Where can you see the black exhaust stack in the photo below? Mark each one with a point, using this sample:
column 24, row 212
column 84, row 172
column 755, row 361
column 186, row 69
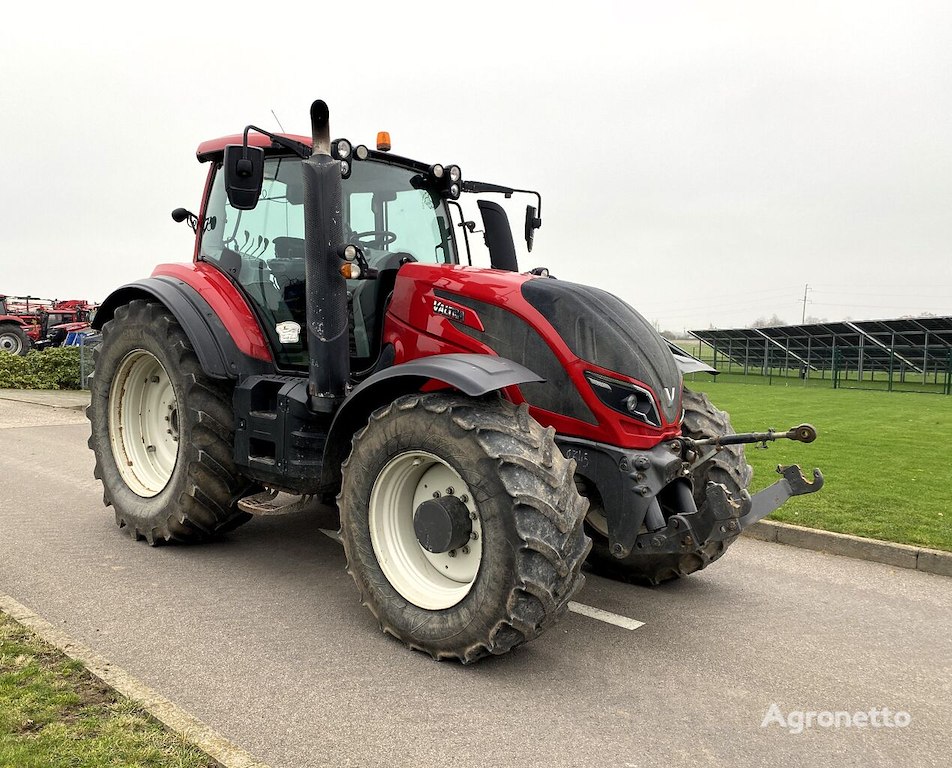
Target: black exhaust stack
column 326, row 290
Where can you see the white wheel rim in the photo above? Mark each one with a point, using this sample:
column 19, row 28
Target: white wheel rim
column 10, row 342
column 143, row 423
column 430, row 581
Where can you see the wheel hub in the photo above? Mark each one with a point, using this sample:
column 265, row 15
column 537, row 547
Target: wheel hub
column 442, row 524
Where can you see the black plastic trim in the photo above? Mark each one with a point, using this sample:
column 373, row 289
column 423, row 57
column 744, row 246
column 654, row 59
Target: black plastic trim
column 473, row 374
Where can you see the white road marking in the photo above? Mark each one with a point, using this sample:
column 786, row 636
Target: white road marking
column 609, row 618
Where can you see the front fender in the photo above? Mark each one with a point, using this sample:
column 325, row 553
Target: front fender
column 475, row 375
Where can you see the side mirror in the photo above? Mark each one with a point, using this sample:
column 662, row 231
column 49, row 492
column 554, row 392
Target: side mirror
column 533, row 222
column 244, row 175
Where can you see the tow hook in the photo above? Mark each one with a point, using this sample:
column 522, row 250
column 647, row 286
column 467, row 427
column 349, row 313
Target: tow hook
column 793, row 483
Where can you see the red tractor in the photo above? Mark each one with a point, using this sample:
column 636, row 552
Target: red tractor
column 27, row 321
column 484, row 432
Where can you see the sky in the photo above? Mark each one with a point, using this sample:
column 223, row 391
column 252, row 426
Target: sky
column 704, row 161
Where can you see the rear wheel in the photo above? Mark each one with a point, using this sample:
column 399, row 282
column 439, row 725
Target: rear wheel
column 162, row 431
column 13, row 339
column 728, row 467
column 461, row 524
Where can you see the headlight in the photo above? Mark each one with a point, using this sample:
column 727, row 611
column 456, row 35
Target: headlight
column 342, row 149
column 624, row 397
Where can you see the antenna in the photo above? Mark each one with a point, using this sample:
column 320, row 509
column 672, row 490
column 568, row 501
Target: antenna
column 278, row 122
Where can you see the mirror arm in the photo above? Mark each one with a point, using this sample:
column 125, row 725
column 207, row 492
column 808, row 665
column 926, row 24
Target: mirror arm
column 301, row 150
column 482, row 186
column 463, row 225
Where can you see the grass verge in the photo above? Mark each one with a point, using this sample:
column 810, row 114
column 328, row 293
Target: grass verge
column 54, row 714
column 885, row 457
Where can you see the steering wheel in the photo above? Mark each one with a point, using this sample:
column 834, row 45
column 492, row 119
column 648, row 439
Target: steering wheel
column 383, row 236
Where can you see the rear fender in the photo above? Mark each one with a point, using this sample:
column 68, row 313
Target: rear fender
column 475, row 375
column 217, row 352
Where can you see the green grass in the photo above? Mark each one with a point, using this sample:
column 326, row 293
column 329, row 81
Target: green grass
column 54, row 714
column 886, row 457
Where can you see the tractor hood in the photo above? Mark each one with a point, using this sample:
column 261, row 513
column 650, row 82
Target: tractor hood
column 602, row 329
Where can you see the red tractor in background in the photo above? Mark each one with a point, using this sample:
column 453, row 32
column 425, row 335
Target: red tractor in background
column 27, row 322
column 483, row 432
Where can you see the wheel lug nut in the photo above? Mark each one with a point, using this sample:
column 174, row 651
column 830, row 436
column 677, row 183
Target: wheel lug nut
column 449, row 491
column 472, row 515
column 436, row 494
column 474, row 535
column 452, row 553
column 464, row 498
column 465, row 550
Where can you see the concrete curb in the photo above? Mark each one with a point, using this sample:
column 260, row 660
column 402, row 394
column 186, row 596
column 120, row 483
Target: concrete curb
column 71, row 399
column 213, row 744
column 898, row 555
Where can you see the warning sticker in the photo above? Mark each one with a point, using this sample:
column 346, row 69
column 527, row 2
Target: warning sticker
column 289, row 332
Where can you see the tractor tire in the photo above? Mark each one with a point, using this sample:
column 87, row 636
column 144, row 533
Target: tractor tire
column 162, row 431
column 13, row 339
column 729, row 467
column 525, row 543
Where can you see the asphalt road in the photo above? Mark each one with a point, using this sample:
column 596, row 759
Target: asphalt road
column 261, row 636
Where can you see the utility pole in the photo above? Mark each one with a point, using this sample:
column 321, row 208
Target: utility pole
column 803, row 318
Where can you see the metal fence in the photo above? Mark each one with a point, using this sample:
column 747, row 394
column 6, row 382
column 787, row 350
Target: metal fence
column 904, row 354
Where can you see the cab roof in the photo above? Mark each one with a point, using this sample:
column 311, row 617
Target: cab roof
column 209, row 150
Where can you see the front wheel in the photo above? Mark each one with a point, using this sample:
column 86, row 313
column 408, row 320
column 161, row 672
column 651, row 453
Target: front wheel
column 461, row 524
column 162, row 431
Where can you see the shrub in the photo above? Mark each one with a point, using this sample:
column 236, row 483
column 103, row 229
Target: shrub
column 56, row 368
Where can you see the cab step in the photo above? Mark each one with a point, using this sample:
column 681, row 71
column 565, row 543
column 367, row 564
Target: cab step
column 278, row 503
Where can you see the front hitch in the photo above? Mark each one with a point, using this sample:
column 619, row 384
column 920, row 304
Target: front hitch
column 724, row 515
column 628, row 484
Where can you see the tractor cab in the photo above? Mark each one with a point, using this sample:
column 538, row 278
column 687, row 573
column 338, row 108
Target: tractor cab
column 392, row 208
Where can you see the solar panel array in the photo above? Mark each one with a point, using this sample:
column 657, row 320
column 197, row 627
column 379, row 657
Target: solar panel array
column 911, row 345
